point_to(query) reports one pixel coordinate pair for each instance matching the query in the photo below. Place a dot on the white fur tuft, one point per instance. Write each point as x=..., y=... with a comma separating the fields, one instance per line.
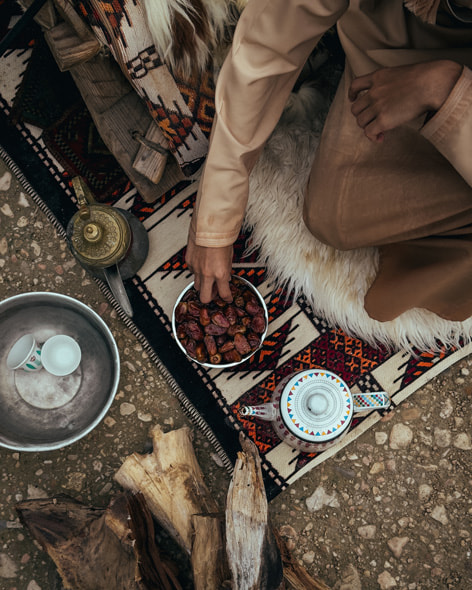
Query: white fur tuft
x=160, y=16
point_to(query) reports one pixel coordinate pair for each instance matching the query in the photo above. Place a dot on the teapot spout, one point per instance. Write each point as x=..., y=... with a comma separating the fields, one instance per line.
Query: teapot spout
x=268, y=412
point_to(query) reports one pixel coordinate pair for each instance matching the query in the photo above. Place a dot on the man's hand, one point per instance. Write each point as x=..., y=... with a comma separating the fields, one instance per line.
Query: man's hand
x=390, y=97
x=212, y=270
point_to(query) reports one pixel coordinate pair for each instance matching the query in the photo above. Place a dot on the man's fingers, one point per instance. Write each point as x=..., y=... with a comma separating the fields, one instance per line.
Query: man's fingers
x=224, y=290
x=366, y=117
x=358, y=85
x=374, y=132
x=360, y=104
x=206, y=290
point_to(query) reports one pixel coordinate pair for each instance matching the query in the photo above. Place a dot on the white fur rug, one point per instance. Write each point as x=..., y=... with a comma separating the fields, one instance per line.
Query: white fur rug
x=333, y=282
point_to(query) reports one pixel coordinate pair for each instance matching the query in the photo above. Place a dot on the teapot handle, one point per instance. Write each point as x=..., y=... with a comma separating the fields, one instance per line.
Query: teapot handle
x=377, y=400
x=115, y=282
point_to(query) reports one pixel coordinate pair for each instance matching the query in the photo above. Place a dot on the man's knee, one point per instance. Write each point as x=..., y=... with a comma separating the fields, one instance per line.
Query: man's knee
x=326, y=227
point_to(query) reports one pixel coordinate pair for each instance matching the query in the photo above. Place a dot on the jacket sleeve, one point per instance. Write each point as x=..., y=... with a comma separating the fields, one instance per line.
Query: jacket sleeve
x=272, y=41
x=450, y=130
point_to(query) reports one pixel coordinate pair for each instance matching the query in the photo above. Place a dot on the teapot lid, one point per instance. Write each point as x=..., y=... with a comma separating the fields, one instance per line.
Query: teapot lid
x=100, y=235
x=316, y=405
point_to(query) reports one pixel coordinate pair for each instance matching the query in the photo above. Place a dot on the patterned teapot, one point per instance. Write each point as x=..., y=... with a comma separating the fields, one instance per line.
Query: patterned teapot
x=313, y=409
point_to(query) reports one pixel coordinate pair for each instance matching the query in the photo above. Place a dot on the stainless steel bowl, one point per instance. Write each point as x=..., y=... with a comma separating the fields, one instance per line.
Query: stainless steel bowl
x=221, y=365
x=41, y=412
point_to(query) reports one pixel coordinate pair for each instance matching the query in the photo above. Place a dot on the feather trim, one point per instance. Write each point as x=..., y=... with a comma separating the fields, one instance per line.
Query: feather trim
x=426, y=10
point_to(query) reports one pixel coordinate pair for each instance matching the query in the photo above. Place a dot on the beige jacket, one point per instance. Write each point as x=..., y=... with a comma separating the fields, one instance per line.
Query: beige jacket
x=272, y=42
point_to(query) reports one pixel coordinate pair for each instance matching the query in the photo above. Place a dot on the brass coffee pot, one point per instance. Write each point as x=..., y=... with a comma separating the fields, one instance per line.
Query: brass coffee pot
x=111, y=243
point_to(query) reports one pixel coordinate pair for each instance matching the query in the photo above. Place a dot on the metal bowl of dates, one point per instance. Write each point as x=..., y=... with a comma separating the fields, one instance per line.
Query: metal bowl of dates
x=221, y=334
x=41, y=411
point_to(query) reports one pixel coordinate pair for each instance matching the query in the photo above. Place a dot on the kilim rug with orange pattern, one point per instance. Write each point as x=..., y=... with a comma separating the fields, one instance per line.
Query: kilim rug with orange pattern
x=297, y=338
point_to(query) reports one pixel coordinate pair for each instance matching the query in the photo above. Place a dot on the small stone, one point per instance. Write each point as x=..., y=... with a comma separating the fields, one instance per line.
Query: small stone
x=36, y=248
x=216, y=458
x=377, y=468
x=33, y=586
x=439, y=514
x=23, y=201
x=400, y=436
x=290, y=536
x=126, y=409
x=102, y=308
x=309, y=557
x=97, y=465
x=442, y=437
x=5, y=181
x=144, y=417
x=396, y=545
x=34, y=493
x=6, y=210
x=106, y=488
x=75, y=481
x=386, y=580
x=424, y=492
x=447, y=408
x=462, y=441
x=321, y=498
x=381, y=438
x=410, y=414
x=7, y=566
x=22, y=221
x=3, y=246
x=109, y=421
x=367, y=531
x=465, y=371
x=25, y=558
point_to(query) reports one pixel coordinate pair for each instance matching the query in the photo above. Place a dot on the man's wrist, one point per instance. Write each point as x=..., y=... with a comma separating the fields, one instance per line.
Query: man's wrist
x=444, y=77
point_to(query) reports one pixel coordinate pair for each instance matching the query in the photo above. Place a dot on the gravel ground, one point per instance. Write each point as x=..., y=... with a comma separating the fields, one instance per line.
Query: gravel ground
x=394, y=506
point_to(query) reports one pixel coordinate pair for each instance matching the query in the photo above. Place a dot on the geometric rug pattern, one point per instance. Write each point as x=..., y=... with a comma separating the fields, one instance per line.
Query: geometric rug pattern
x=296, y=340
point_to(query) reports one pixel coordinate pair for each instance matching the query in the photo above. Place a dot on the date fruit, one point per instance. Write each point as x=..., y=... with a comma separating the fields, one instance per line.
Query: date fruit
x=220, y=332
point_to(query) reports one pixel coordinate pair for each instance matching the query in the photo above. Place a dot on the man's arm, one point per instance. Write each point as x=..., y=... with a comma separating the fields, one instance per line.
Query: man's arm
x=450, y=130
x=272, y=41
x=391, y=97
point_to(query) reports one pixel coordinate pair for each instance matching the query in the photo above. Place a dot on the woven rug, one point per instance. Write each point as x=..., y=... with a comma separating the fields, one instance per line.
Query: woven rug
x=297, y=339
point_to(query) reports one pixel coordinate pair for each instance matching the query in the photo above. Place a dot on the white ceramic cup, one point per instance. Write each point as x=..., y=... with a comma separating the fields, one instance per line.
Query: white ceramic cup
x=61, y=355
x=25, y=354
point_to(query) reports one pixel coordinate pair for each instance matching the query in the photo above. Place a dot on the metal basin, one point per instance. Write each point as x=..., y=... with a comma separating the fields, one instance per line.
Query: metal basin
x=41, y=412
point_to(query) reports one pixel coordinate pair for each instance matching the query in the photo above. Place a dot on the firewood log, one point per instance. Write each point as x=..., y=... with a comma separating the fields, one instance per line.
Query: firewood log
x=171, y=481
x=155, y=573
x=209, y=565
x=252, y=551
x=82, y=542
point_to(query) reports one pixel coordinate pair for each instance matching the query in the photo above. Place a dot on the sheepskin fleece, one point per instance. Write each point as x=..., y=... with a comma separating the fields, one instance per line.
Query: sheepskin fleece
x=333, y=282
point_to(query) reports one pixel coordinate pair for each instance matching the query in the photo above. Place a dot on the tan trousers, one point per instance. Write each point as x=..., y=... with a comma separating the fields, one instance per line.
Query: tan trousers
x=422, y=224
